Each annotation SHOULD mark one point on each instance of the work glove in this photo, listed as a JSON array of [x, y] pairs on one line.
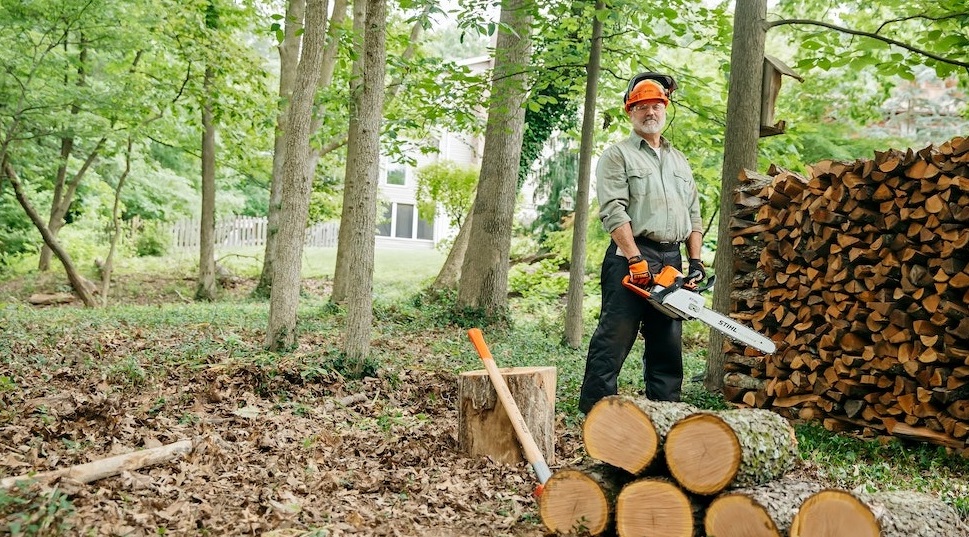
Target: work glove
[[639, 271], [696, 273]]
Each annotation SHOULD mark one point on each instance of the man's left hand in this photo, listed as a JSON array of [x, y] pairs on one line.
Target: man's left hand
[[697, 273]]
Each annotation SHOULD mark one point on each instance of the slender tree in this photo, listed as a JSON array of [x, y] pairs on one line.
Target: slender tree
[[739, 152], [288, 60], [484, 273], [206, 287], [297, 184], [573, 309], [360, 190]]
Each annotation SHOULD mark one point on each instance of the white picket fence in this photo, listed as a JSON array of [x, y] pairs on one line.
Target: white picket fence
[[247, 231]]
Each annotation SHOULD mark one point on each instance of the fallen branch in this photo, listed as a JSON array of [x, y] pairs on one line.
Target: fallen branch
[[92, 471], [353, 399]]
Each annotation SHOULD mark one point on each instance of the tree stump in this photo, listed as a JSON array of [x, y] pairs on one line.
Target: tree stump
[[581, 500], [653, 507], [484, 428], [707, 452], [763, 511], [882, 514], [628, 432]]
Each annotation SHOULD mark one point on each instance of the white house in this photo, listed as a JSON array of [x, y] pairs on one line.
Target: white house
[[399, 225]]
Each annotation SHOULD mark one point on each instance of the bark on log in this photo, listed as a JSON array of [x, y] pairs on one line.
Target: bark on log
[[484, 428], [882, 514], [628, 432], [763, 511], [654, 507], [708, 452], [92, 471], [581, 500]]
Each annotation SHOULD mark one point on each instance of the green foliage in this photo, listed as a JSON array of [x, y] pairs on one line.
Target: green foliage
[[353, 368], [852, 462], [555, 183], [449, 185], [551, 106], [26, 511], [152, 240], [541, 280], [17, 234]]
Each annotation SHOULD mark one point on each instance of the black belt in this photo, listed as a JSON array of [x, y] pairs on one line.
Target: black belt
[[659, 246]]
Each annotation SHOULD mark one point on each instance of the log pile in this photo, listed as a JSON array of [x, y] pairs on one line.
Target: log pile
[[860, 274], [659, 463], [720, 474]]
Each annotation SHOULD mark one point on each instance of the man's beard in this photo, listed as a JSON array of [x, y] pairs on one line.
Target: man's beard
[[653, 126]]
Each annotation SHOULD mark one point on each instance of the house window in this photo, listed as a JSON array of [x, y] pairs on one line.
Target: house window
[[405, 221], [401, 220]]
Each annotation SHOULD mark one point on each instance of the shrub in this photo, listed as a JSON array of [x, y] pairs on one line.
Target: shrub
[[152, 239]]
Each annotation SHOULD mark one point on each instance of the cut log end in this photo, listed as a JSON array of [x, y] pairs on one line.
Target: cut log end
[[612, 426], [738, 516], [572, 502], [703, 453], [829, 512], [652, 507]]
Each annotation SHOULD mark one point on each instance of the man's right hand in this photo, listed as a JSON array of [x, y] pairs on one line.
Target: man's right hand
[[639, 271]]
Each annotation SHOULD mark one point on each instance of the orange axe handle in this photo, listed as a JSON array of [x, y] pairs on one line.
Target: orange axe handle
[[532, 454]]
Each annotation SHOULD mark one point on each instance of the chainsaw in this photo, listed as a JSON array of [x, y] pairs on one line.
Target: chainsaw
[[679, 297]]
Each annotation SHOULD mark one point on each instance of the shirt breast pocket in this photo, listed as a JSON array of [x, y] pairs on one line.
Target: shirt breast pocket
[[639, 182], [684, 183]]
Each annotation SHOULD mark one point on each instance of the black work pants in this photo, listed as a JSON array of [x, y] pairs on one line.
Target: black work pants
[[624, 313]]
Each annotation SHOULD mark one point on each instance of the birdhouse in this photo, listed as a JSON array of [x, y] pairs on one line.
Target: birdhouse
[[774, 69]]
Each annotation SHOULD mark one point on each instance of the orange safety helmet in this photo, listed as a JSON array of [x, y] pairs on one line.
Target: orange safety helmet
[[649, 86]]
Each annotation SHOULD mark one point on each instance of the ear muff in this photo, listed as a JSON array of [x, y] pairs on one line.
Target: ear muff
[[668, 83]]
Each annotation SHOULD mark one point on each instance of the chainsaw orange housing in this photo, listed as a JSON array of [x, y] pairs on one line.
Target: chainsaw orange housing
[[664, 279]]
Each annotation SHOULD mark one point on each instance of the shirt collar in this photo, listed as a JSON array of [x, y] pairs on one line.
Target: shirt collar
[[638, 141]]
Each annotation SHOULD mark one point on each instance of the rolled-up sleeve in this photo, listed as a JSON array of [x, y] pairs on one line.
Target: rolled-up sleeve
[[612, 189]]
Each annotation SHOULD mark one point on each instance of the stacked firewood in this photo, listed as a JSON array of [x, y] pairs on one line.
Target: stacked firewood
[[860, 274], [669, 469]]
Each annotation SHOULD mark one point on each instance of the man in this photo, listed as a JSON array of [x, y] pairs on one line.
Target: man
[[650, 206]]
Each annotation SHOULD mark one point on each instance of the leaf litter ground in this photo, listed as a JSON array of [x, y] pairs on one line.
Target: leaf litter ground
[[279, 451]]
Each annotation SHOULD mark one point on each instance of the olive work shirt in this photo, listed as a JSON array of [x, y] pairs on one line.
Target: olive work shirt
[[655, 193]]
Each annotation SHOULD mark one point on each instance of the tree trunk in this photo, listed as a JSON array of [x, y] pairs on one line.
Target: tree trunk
[[484, 428], [450, 273], [360, 192], [288, 60], [61, 201], [484, 273], [763, 511], [342, 273], [297, 185], [108, 266], [654, 507], [739, 152], [576, 292], [205, 289], [84, 288], [708, 452], [63, 197], [882, 514], [628, 432], [581, 499], [56, 219]]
